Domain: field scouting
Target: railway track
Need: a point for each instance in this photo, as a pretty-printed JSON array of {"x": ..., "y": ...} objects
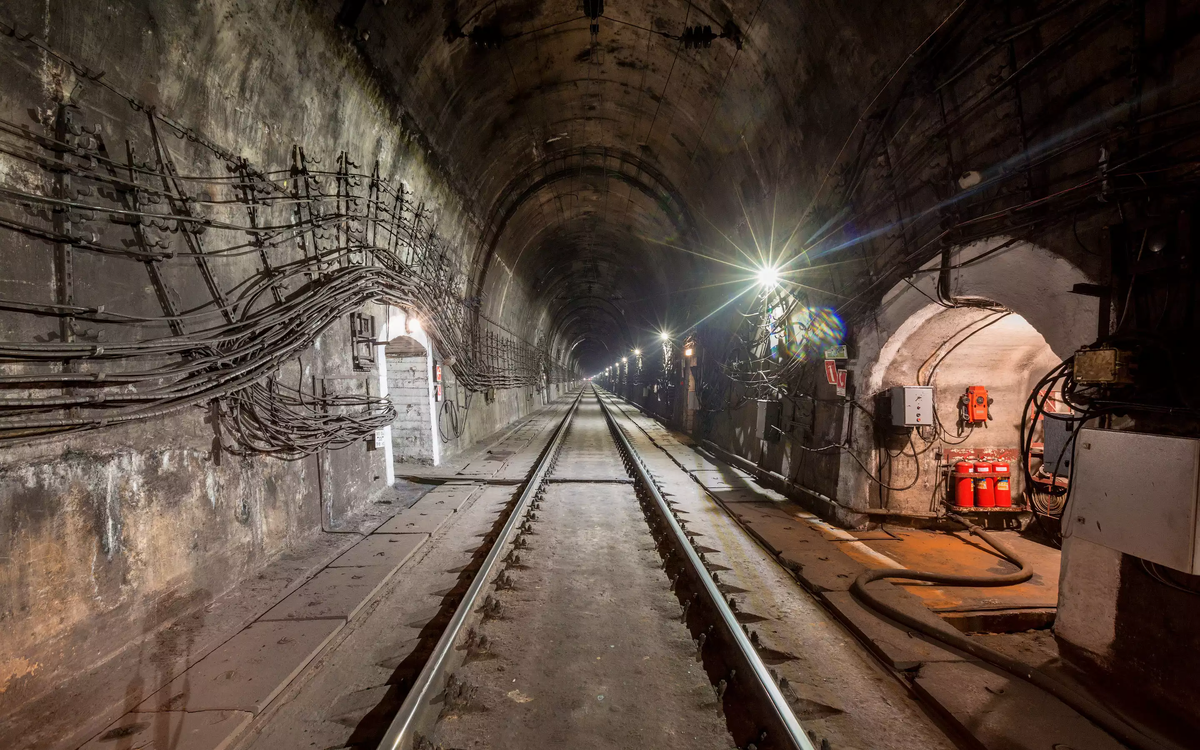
[{"x": 595, "y": 619}]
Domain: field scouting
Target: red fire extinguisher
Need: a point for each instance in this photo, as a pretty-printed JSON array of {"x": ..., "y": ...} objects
[
  {"x": 964, "y": 490},
  {"x": 985, "y": 492},
  {"x": 1003, "y": 490}
]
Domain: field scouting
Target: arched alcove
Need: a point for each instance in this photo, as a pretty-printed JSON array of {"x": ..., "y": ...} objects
[
  {"x": 1023, "y": 294},
  {"x": 950, "y": 350}
]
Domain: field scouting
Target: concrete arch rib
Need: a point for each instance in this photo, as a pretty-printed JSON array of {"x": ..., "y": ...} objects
[
  {"x": 562, "y": 326},
  {"x": 582, "y": 162},
  {"x": 1030, "y": 280}
]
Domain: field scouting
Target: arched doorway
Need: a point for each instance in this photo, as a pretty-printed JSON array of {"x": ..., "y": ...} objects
[{"x": 406, "y": 361}]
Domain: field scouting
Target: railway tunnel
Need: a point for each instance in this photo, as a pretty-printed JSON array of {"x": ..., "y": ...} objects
[{"x": 688, "y": 373}]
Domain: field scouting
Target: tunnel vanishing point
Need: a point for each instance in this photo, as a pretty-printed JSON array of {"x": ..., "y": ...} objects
[{"x": 683, "y": 373}]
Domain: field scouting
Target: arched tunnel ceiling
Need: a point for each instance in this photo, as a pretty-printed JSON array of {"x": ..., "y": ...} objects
[{"x": 591, "y": 157}]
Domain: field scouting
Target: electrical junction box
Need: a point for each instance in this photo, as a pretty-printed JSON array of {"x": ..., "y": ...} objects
[
  {"x": 912, "y": 405},
  {"x": 1102, "y": 366},
  {"x": 1137, "y": 493},
  {"x": 766, "y": 427}
]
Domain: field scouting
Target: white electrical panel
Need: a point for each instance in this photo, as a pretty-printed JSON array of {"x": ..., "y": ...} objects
[
  {"x": 912, "y": 405},
  {"x": 1138, "y": 494}
]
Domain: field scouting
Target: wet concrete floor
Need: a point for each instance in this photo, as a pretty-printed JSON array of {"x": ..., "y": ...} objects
[{"x": 587, "y": 650}]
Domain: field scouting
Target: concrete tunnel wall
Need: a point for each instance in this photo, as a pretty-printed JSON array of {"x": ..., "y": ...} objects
[{"x": 109, "y": 535}]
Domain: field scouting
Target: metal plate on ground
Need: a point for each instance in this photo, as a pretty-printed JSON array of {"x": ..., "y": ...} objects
[
  {"x": 496, "y": 496},
  {"x": 419, "y": 519},
  {"x": 248, "y": 670},
  {"x": 186, "y": 730},
  {"x": 740, "y": 495},
  {"x": 334, "y": 592},
  {"x": 380, "y": 549},
  {"x": 692, "y": 461},
  {"x": 519, "y": 466},
  {"x": 480, "y": 467},
  {"x": 722, "y": 479},
  {"x": 1002, "y": 711},
  {"x": 451, "y": 493}
]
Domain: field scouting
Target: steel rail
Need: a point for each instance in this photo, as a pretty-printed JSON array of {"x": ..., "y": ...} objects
[
  {"x": 416, "y": 707},
  {"x": 776, "y": 714}
]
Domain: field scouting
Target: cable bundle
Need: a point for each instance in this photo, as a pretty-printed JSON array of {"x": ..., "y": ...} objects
[{"x": 283, "y": 256}]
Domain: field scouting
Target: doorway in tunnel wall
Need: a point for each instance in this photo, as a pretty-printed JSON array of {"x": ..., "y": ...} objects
[
  {"x": 953, "y": 350},
  {"x": 408, "y": 387}
]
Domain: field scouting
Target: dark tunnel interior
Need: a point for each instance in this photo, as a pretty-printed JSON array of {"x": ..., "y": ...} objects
[{"x": 860, "y": 287}]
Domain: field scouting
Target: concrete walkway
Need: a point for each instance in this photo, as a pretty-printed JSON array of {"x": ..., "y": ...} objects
[{"x": 988, "y": 708}]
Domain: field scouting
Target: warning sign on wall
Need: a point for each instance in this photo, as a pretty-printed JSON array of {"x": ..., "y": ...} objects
[{"x": 831, "y": 371}]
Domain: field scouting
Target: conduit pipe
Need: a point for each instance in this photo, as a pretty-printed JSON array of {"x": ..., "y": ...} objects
[{"x": 1099, "y": 715}]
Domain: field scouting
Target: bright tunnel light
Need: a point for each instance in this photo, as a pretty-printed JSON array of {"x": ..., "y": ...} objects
[{"x": 768, "y": 276}]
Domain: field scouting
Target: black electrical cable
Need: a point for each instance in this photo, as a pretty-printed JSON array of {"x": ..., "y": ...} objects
[{"x": 1085, "y": 706}]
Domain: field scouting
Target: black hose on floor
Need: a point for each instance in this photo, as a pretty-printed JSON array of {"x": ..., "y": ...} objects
[{"x": 1086, "y": 707}]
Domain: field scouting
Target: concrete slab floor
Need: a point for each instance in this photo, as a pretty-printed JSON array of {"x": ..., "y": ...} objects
[
  {"x": 388, "y": 550},
  {"x": 423, "y": 520},
  {"x": 79, "y": 709},
  {"x": 332, "y": 593},
  {"x": 960, "y": 553},
  {"x": 349, "y": 693},
  {"x": 177, "y": 730},
  {"x": 248, "y": 670}
]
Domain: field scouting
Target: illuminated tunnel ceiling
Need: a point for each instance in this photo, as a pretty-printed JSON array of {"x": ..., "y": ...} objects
[{"x": 590, "y": 159}]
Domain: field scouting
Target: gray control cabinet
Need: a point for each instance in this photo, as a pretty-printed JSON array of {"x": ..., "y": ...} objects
[
  {"x": 912, "y": 405},
  {"x": 1137, "y": 493}
]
